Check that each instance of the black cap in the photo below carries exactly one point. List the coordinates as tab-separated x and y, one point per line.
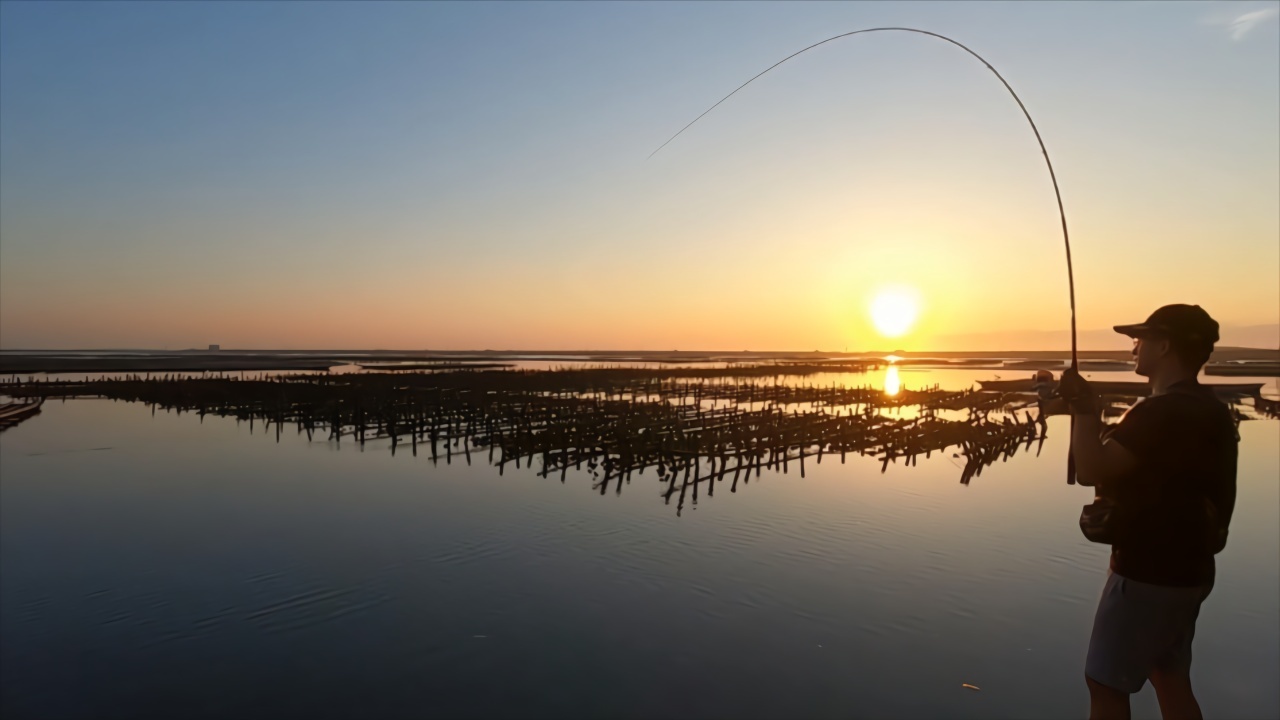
1186	323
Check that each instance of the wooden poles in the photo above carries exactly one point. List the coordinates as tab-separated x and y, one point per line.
692	428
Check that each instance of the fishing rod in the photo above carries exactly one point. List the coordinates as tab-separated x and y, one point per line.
1066	240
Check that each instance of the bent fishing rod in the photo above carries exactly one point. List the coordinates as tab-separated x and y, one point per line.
1066	241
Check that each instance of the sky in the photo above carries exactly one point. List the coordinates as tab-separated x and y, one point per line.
477	176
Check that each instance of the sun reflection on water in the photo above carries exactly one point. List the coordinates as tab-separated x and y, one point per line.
892	385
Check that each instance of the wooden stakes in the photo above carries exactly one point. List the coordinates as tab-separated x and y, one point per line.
692	425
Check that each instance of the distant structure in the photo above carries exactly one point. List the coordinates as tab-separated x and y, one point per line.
215	348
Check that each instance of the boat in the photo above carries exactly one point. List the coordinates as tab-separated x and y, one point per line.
15	412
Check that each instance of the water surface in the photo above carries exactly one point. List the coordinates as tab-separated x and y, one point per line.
154	565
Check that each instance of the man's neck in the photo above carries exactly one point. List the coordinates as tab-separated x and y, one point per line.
1161	382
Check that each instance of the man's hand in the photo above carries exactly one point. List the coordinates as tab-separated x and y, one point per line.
1078	393
1096	462
1055	406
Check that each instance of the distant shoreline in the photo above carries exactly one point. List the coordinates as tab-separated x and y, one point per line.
1225	361
1253	353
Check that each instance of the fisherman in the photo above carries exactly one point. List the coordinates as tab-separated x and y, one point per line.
1165	479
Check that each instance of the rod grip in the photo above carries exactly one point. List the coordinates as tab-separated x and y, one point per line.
1071	456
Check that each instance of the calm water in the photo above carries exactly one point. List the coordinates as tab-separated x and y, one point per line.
157	566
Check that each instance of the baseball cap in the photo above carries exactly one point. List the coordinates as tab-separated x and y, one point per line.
1188	323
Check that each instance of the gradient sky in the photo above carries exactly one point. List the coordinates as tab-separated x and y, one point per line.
450	176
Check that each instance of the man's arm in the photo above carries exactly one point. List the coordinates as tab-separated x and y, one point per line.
1097	461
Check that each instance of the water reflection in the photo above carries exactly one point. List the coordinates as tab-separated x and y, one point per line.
189	563
891	382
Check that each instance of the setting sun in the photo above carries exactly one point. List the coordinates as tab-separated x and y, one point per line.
894	311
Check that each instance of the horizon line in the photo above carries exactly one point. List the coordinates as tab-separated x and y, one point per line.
225	350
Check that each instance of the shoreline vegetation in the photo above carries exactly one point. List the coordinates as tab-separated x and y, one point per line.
1226	361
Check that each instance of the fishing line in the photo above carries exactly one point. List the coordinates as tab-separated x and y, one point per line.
1066	240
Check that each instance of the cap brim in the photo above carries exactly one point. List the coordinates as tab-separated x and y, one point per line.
1133	331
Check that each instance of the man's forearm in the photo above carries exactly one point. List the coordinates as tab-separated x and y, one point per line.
1086	446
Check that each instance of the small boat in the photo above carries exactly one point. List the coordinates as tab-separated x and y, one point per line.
1114	387
15	412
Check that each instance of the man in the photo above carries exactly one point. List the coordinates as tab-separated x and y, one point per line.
1167	472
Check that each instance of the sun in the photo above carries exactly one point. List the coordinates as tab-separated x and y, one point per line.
894	311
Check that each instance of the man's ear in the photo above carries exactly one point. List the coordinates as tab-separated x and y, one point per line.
1166	347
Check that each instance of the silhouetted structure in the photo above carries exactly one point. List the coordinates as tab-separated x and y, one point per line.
695	427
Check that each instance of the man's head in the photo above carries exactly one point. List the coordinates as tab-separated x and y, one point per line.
1176	338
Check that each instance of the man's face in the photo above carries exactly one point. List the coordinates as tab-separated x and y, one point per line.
1147	353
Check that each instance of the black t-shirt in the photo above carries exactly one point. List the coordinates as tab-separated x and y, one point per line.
1180	498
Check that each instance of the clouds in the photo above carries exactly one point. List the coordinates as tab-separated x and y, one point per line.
1241	25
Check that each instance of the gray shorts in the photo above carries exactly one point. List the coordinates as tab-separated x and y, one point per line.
1141	628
